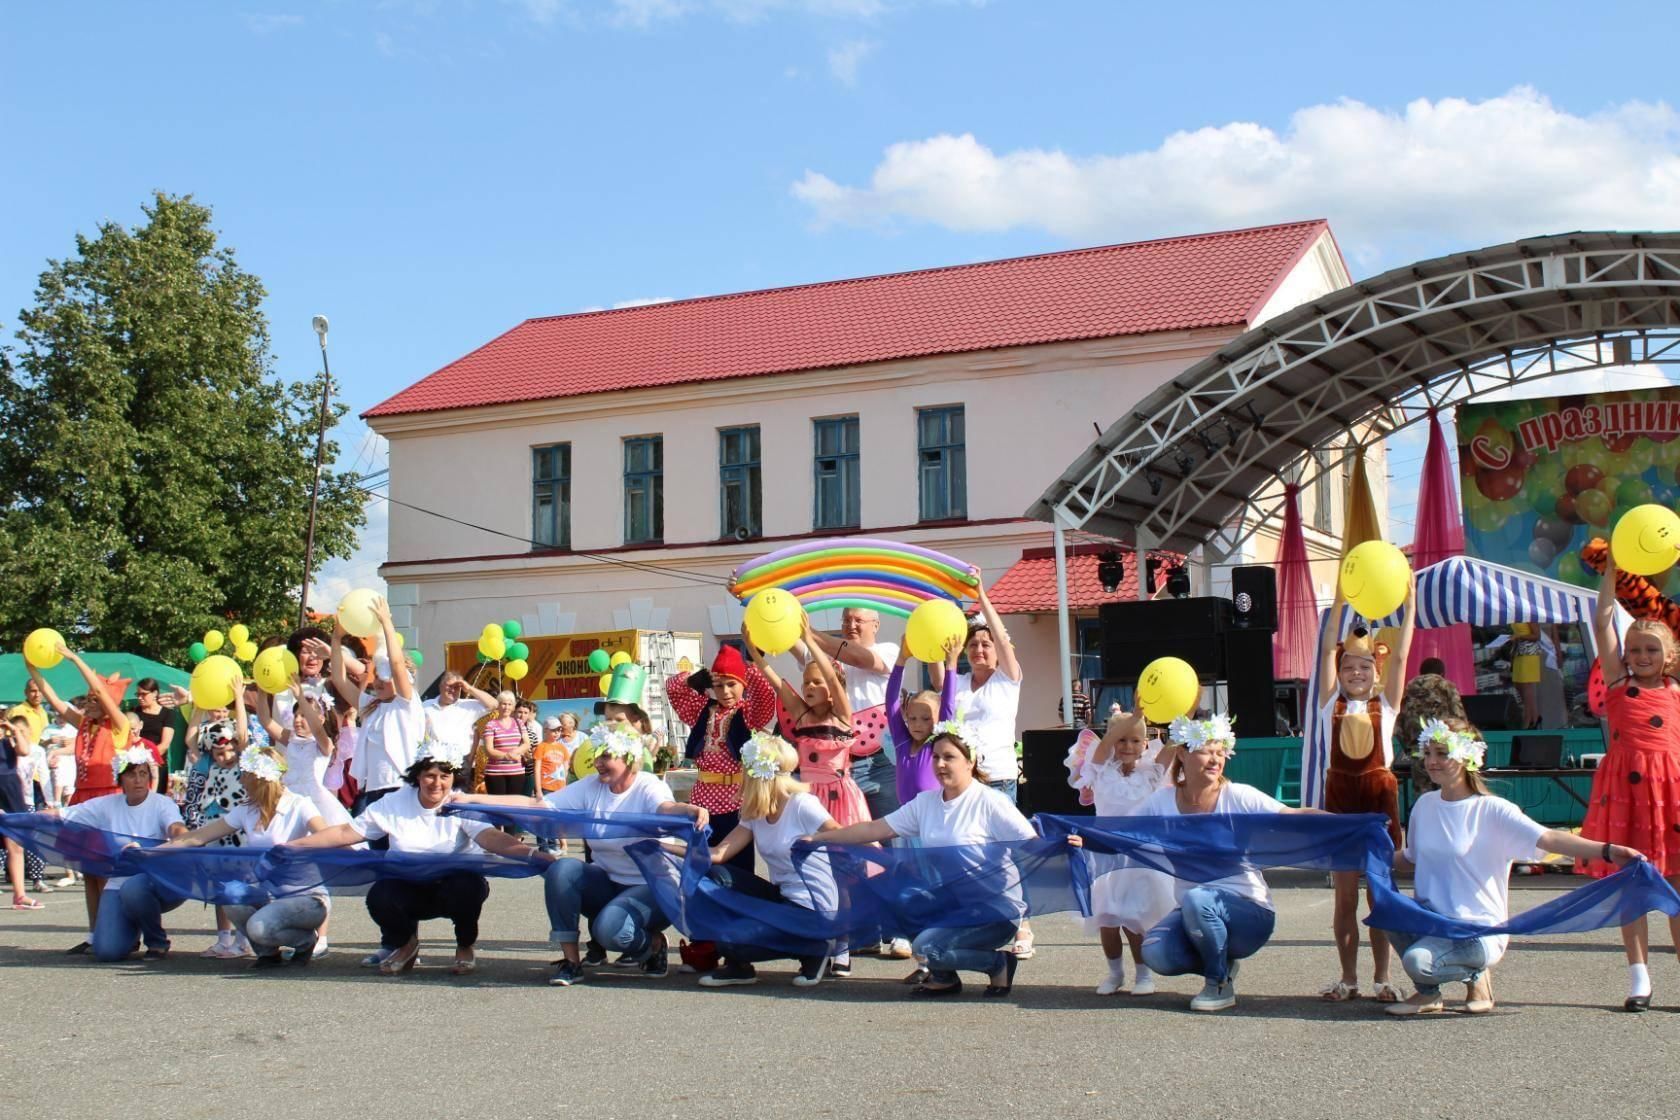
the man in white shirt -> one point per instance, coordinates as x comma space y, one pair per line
451, 714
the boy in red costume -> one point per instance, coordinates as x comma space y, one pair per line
741, 701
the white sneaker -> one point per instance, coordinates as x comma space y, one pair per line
1144, 983
321, 949
898, 949
1113, 982
1215, 997
68, 881
221, 950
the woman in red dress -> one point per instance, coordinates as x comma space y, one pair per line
1636, 788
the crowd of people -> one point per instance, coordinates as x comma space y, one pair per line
351, 757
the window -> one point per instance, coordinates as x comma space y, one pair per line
741, 482
551, 496
835, 474
644, 489
1321, 491
944, 465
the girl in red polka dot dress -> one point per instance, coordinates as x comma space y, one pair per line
1636, 789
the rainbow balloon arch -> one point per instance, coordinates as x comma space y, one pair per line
881, 575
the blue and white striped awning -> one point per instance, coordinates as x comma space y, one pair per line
1458, 589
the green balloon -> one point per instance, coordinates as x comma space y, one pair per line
482, 659
1571, 570
511, 629
1542, 485
518, 651
1490, 518
599, 661
417, 657
197, 652
1632, 492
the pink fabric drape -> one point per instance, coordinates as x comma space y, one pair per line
1440, 534
1295, 644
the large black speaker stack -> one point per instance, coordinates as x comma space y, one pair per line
1226, 640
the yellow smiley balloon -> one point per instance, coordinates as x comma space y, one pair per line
1646, 539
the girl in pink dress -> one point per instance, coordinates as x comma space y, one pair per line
818, 721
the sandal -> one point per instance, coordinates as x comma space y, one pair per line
919, 976
1341, 991
400, 960
24, 902
464, 966
1478, 995
1023, 947
1384, 992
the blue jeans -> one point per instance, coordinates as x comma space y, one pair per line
283, 921
1433, 961
132, 912
1008, 787
624, 919
1212, 928
877, 777
970, 948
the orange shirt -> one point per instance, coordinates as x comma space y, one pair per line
552, 760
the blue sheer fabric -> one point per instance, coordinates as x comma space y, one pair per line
88, 850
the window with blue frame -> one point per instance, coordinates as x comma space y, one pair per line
943, 463
740, 478
835, 474
551, 496
644, 489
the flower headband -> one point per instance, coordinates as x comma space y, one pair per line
1194, 734
433, 749
958, 731
615, 739
1462, 747
762, 756
129, 756
260, 763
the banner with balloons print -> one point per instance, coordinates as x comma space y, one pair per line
1542, 477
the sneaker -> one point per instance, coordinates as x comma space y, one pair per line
595, 954
1144, 983
321, 948
657, 964
69, 880
1113, 982
811, 972
375, 958
157, 952
566, 975
303, 954
221, 950
1215, 997
730, 975
897, 949
840, 968
40, 886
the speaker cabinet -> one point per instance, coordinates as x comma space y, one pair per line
1254, 597
1046, 788
1134, 634
1248, 687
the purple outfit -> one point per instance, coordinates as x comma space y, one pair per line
914, 768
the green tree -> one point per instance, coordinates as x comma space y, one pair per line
154, 473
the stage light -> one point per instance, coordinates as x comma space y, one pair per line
1186, 462
1154, 481
1111, 570
1230, 432
1207, 443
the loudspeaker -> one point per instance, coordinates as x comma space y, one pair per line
1248, 686
1492, 711
1254, 597
1134, 634
1045, 788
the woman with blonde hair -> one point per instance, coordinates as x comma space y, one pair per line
776, 811
271, 814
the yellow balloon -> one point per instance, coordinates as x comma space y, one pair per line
355, 613
619, 658
516, 670
493, 646
1167, 689
774, 620
1374, 578
213, 640
605, 683
930, 626
246, 650
1646, 539
274, 669
238, 634
40, 649
398, 639
214, 680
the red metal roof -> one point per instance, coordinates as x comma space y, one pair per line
1029, 586
1181, 283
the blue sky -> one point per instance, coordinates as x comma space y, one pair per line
429, 172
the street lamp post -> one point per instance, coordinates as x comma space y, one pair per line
320, 325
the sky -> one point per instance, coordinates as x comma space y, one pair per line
427, 173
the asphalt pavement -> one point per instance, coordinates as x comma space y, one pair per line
188, 1037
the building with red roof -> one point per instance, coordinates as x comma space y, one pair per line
611, 468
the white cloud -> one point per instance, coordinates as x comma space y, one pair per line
267, 24
337, 577
623, 303
1464, 172
844, 60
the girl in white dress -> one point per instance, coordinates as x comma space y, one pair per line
1118, 775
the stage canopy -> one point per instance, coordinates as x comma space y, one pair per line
1198, 461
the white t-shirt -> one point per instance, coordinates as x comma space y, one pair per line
1234, 797
1390, 720
867, 689
978, 815
290, 822
414, 828
112, 813
389, 742
1463, 851
801, 816
591, 795
316, 689
452, 724
992, 707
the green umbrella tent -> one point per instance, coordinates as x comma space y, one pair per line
67, 681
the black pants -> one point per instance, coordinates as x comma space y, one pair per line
398, 907
722, 825
754, 887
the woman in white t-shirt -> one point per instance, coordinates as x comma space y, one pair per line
411, 821
964, 810
270, 814
1460, 844
611, 891
1216, 924
392, 719
776, 811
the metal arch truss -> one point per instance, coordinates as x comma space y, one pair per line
1191, 463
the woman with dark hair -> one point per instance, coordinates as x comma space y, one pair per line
157, 722
410, 819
